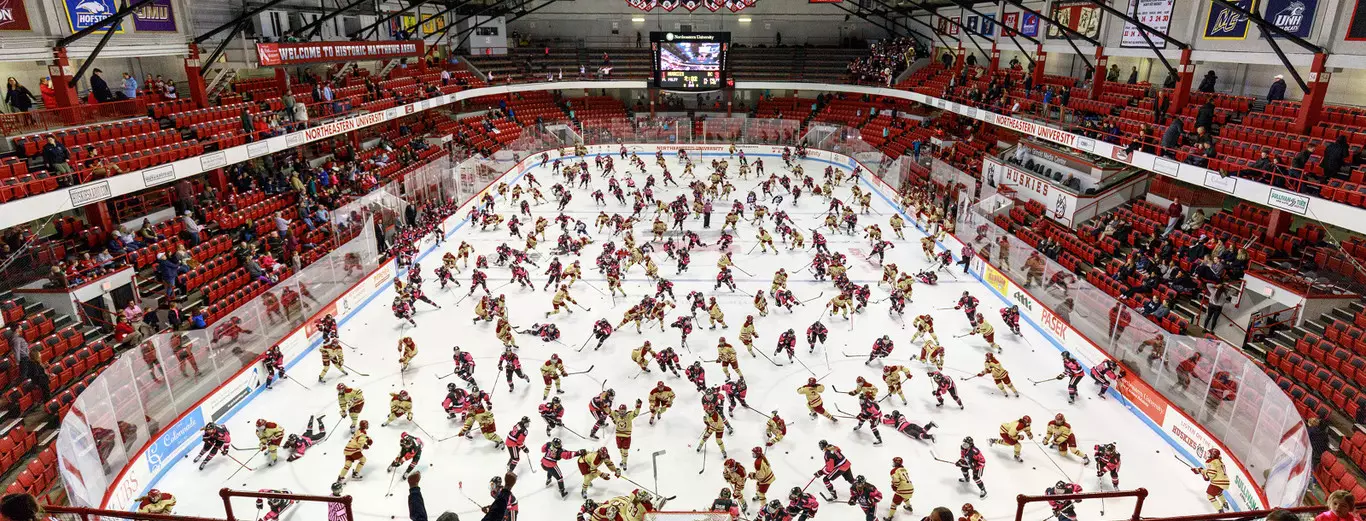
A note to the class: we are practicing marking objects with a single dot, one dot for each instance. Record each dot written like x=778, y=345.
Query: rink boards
x=1176, y=428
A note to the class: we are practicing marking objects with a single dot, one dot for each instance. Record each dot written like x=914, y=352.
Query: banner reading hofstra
x=274, y=54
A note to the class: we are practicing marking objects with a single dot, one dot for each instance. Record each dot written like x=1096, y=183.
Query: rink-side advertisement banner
x=1173, y=423
x=276, y=54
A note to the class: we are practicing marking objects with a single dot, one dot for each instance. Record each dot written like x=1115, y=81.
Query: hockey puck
x=1034, y=468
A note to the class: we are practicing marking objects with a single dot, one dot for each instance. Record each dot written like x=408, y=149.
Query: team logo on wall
x=13, y=17
x=82, y=14
x=1293, y=16
x=691, y=5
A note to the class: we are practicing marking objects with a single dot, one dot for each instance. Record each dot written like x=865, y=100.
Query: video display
x=690, y=61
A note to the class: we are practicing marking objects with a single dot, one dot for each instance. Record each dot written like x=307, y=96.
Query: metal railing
x=39, y=120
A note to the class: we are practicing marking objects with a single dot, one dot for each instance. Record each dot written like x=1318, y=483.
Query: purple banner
x=155, y=16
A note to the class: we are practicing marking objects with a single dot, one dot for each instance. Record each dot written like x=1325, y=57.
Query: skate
x=1019, y=459
x=1071, y=398
x=700, y=445
x=963, y=479
x=1085, y=460
x=983, y=495
x=201, y=465
x=583, y=492
x=355, y=474
x=196, y=458
x=1017, y=394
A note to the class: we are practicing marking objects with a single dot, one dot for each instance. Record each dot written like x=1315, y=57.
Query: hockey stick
x=334, y=427
x=590, y=368
x=808, y=369
x=968, y=377
x=766, y=357
x=445, y=376
x=355, y=371
x=572, y=431
x=243, y=465
x=581, y=306
x=1037, y=382
x=590, y=284
x=585, y=343
x=704, y=456
x=742, y=270
x=937, y=458
x=819, y=295
x=353, y=348
x=392, y=476
x=1183, y=462
x=239, y=462
x=424, y=431
x=461, y=485
x=654, y=461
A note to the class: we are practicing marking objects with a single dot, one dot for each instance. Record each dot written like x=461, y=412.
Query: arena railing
x=1202, y=393
x=39, y=120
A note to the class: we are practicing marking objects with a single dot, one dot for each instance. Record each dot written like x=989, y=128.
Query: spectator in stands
x=1218, y=298
x=248, y=125
x=1204, y=118
x=56, y=155
x=1334, y=158
x=133, y=312
x=100, y=167
x=198, y=320
x=1156, y=310
x=192, y=229
x=300, y=112
x=20, y=507
x=130, y=87
x=256, y=271
x=148, y=233
x=1133, y=76
x=1341, y=507
x=48, y=93
x=1174, y=213
x=30, y=361
x=1113, y=75
x=1262, y=168
x=1171, y=138
x=99, y=88
x=122, y=331
x=168, y=270
x=18, y=96
x=327, y=97
x=1195, y=221
x=1277, y=90
x=1318, y=439
x=174, y=317
x=1203, y=156
x=1207, y=83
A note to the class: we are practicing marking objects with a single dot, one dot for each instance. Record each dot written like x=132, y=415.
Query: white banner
x=1153, y=13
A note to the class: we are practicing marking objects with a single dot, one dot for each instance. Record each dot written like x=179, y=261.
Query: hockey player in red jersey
x=871, y=413
x=786, y=342
x=697, y=375
x=968, y=304
x=1107, y=460
x=944, y=385
x=600, y=406
x=216, y=441
x=882, y=348
x=801, y=506
x=971, y=462
x=836, y=466
x=1064, y=509
x=1071, y=369
x=516, y=442
x=551, y=455
x=816, y=331
x=866, y=496
x=1104, y=373
x=1011, y=316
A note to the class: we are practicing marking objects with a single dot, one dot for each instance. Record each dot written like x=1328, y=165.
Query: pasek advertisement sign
x=275, y=54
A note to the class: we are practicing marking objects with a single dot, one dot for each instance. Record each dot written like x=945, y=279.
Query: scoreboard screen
x=690, y=61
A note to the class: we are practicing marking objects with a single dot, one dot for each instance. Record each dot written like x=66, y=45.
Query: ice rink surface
x=456, y=462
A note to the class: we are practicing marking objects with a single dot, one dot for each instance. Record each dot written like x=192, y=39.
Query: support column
x=281, y=80
x=959, y=58
x=218, y=179
x=1278, y=224
x=1182, y=95
x=354, y=137
x=1040, y=60
x=1312, y=105
x=1098, y=81
x=61, y=72
x=98, y=214
x=995, y=60
x=198, y=92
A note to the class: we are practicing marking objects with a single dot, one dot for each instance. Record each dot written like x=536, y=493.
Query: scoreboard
x=692, y=61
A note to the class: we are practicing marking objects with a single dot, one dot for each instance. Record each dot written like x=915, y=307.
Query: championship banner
x=1292, y=16
x=988, y=28
x=953, y=27
x=1082, y=17
x=1029, y=24
x=157, y=16
x=1222, y=23
x=276, y=54
x=972, y=25
x=13, y=16
x=83, y=14
x=1012, y=20
x=1153, y=13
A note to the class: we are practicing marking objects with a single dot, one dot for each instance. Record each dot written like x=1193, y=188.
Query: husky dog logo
x=1291, y=19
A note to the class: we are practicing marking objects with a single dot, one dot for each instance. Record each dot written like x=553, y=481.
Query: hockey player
x=715, y=426
x=697, y=375
x=866, y=496
x=814, y=404
x=735, y=392
x=403, y=310
x=1013, y=434
x=762, y=475
x=269, y=435
x=747, y=335
x=943, y=385
x=924, y=325
x=815, y=331
x=331, y=353
x=298, y=444
x=863, y=388
x=558, y=301
x=464, y=364
x=999, y=374
x=552, y=452
x=761, y=303
x=836, y=466
x=553, y=414
x=970, y=513
x=216, y=441
x=350, y=401
x=892, y=376
x=156, y=502
x=504, y=332
x=602, y=329
x=840, y=305
x=410, y=450
x=968, y=304
x=1107, y=460
x=589, y=464
x=715, y=315
x=661, y=398
x=725, y=503
x=902, y=489
x=516, y=442
x=511, y=364
x=1213, y=472
x=400, y=405
x=882, y=348
x=734, y=473
x=1060, y=435
x=624, y=420
x=1064, y=509
x=871, y=413
x=1011, y=316
x=904, y=426
x=1071, y=369
x=988, y=332
x=642, y=355
x=600, y=407
x=1104, y=373
x=786, y=341
x=275, y=365
x=801, y=505
x=725, y=355
x=551, y=371
x=971, y=462
x=667, y=360
x=407, y=350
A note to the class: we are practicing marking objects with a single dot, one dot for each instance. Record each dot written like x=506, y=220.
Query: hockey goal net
x=700, y=515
